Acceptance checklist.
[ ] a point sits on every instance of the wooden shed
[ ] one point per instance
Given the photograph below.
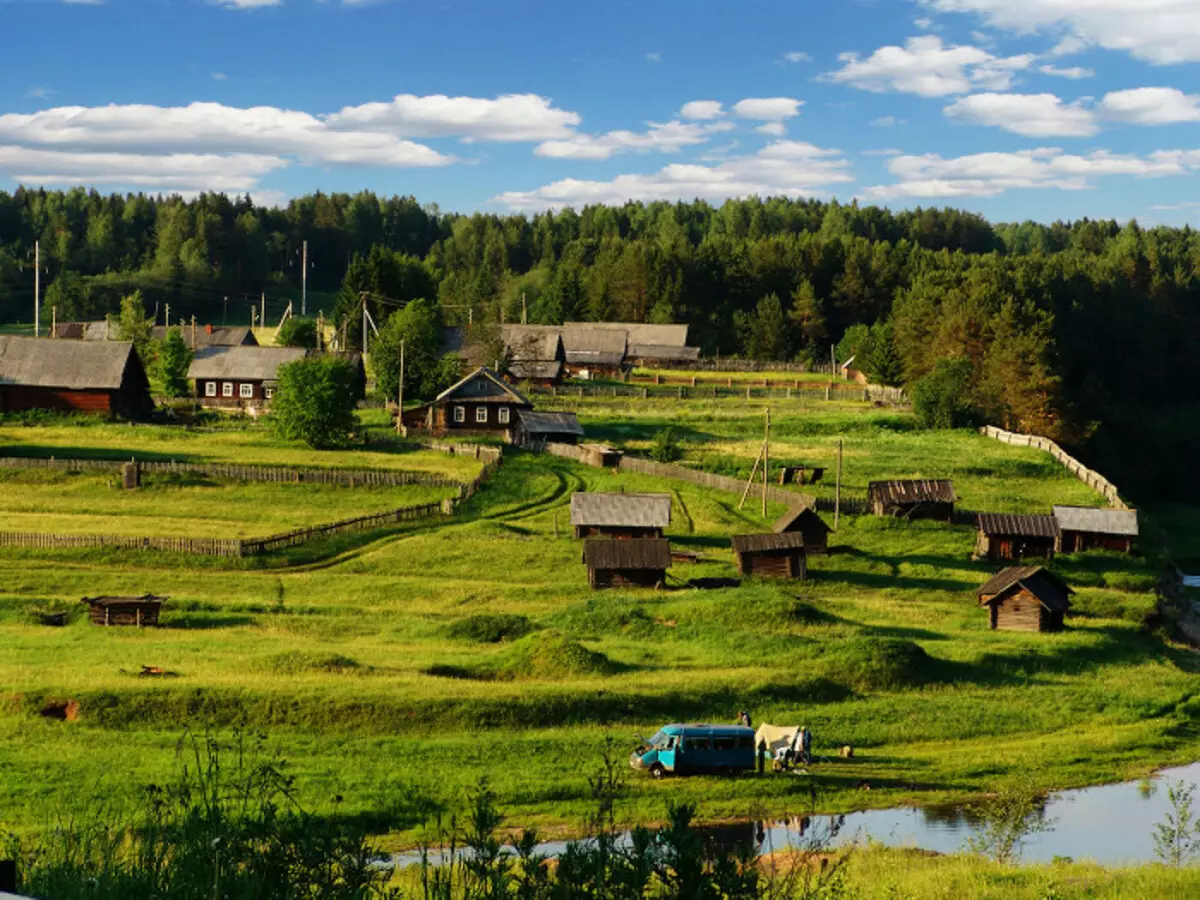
(622, 516)
(74, 376)
(921, 498)
(197, 337)
(804, 520)
(1026, 598)
(554, 427)
(593, 351)
(535, 353)
(640, 562)
(1081, 528)
(137, 611)
(1010, 537)
(771, 555)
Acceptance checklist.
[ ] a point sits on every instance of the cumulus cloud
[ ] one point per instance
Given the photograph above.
(511, 117)
(1158, 31)
(774, 129)
(233, 172)
(1151, 106)
(990, 174)
(702, 109)
(1033, 115)
(789, 168)
(1073, 72)
(668, 137)
(927, 67)
(768, 109)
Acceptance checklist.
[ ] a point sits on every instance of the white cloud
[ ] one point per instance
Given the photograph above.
(886, 151)
(702, 109)
(1068, 46)
(654, 57)
(768, 109)
(219, 76)
(774, 129)
(1033, 115)
(925, 66)
(1158, 31)
(924, 23)
(797, 56)
(990, 174)
(511, 117)
(888, 122)
(235, 4)
(669, 137)
(169, 172)
(1151, 106)
(1073, 72)
(789, 168)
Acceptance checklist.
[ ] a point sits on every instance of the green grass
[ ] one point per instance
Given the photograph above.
(672, 375)
(426, 658)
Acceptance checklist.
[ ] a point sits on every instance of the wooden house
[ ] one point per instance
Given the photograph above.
(592, 351)
(239, 377)
(137, 611)
(1026, 598)
(642, 562)
(534, 353)
(1081, 528)
(622, 516)
(1009, 537)
(197, 337)
(804, 520)
(771, 555)
(547, 427)
(74, 376)
(482, 402)
(912, 499)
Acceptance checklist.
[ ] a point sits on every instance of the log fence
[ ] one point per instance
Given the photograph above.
(870, 393)
(1091, 478)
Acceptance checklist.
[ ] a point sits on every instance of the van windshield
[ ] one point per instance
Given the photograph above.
(658, 739)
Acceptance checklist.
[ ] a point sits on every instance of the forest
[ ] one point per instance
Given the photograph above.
(1082, 331)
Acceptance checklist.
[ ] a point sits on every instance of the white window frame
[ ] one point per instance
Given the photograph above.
(210, 389)
(460, 415)
(268, 392)
(227, 389)
(503, 415)
(481, 416)
(246, 391)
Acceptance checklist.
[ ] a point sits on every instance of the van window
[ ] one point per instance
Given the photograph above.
(724, 743)
(745, 742)
(697, 743)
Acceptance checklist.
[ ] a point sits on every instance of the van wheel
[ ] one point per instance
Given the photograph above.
(657, 771)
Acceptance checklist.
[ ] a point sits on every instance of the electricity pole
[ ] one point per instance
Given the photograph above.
(37, 288)
(400, 394)
(837, 495)
(304, 278)
(766, 459)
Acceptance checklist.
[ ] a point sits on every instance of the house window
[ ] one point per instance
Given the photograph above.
(210, 389)
(246, 391)
(460, 414)
(481, 415)
(227, 389)
(504, 413)
(268, 392)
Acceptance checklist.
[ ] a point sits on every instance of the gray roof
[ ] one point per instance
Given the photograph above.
(550, 422)
(532, 343)
(1097, 521)
(541, 371)
(483, 386)
(1050, 590)
(210, 335)
(74, 365)
(1021, 526)
(641, 333)
(621, 510)
(586, 343)
(919, 490)
(803, 519)
(762, 543)
(242, 363)
(664, 352)
(642, 553)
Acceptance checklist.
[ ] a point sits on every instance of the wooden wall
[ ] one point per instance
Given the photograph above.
(999, 548)
(1021, 611)
(1079, 541)
(620, 533)
(611, 578)
(15, 398)
(789, 564)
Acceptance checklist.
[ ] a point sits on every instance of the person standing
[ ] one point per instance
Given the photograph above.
(744, 719)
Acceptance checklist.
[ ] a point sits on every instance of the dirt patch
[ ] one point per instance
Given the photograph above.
(61, 710)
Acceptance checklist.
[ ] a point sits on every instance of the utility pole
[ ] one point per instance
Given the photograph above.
(320, 328)
(837, 491)
(304, 278)
(766, 463)
(54, 321)
(167, 317)
(225, 310)
(193, 334)
(364, 312)
(400, 394)
(262, 316)
(37, 288)
(524, 311)
(832, 362)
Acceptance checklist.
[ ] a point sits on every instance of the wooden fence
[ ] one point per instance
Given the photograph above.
(870, 393)
(1091, 478)
(47, 541)
(258, 546)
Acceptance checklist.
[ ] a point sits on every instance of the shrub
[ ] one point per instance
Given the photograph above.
(490, 629)
(174, 358)
(551, 655)
(878, 664)
(315, 402)
(298, 662)
(666, 447)
(297, 333)
(942, 399)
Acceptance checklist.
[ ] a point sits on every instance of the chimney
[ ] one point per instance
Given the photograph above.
(208, 328)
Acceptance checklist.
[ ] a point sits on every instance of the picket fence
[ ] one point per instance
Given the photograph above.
(869, 393)
(1091, 478)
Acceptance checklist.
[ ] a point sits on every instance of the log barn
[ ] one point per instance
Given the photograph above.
(72, 376)
(771, 555)
(140, 612)
(535, 353)
(551, 427)
(921, 498)
(592, 351)
(621, 516)
(1026, 598)
(480, 403)
(1009, 537)
(1081, 528)
(640, 562)
(804, 520)
(241, 377)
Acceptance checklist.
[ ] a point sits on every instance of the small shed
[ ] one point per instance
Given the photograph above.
(921, 498)
(623, 516)
(640, 562)
(543, 427)
(804, 520)
(1010, 537)
(1081, 528)
(771, 555)
(1026, 598)
(137, 611)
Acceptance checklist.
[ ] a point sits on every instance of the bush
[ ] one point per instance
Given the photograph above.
(666, 447)
(315, 402)
(297, 333)
(879, 664)
(942, 399)
(174, 358)
(490, 629)
(297, 662)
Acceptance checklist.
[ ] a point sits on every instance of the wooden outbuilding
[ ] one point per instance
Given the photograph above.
(921, 498)
(197, 337)
(641, 562)
(1081, 528)
(1026, 598)
(239, 377)
(547, 427)
(140, 612)
(592, 351)
(771, 555)
(480, 403)
(535, 353)
(1011, 537)
(621, 516)
(804, 520)
(72, 376)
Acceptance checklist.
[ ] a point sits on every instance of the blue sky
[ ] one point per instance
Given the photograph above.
(1018, 109)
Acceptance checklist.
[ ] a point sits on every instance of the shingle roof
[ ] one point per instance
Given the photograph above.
(242, 363)
(550, 422)
(759, 543)
(587, 343)
(483, 386)
(523, 369)
(664, 352)
(804, 515)
(642, 333)
(1050, 590)
(220, 336)
(110, 601)
(920, 490)
(621, 510)
(532, 343)
(1097, 521)
(74, 365)
(642, 553)
(1021, 526)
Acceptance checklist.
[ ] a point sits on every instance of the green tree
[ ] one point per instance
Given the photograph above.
(1006, 821)
(942, 399)
(1177, 837)
(174, 358)
(314, 402)
(764, 331)
(426, 373)
(807, 313)
(855, 344)
(884, 365)
(297, 333)
(133, 325)
(666, 447)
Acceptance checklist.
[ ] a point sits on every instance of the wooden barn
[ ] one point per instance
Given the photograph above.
(240, 377)
(1081, 528)
(197, 337)
(921, 498)
(547, 427)
(73, 376)
(771, 555)
(535, 353)
(621, 516)
(804, 520)
(1026, 598)
(141, 612)
(642, 562)
(592, 351)
(481, 403)
(1009, 537)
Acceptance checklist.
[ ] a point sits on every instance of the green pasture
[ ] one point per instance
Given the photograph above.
(756, 378)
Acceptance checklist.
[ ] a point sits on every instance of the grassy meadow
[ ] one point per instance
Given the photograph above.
(400, 668)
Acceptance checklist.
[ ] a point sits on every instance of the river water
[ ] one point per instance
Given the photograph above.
(1109, 824)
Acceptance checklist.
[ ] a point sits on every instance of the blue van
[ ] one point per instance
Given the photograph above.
(688, 749)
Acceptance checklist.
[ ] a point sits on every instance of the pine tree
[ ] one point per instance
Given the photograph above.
(885, 364)
(173, 361)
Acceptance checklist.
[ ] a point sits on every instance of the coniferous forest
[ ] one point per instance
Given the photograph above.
(1082, 331)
